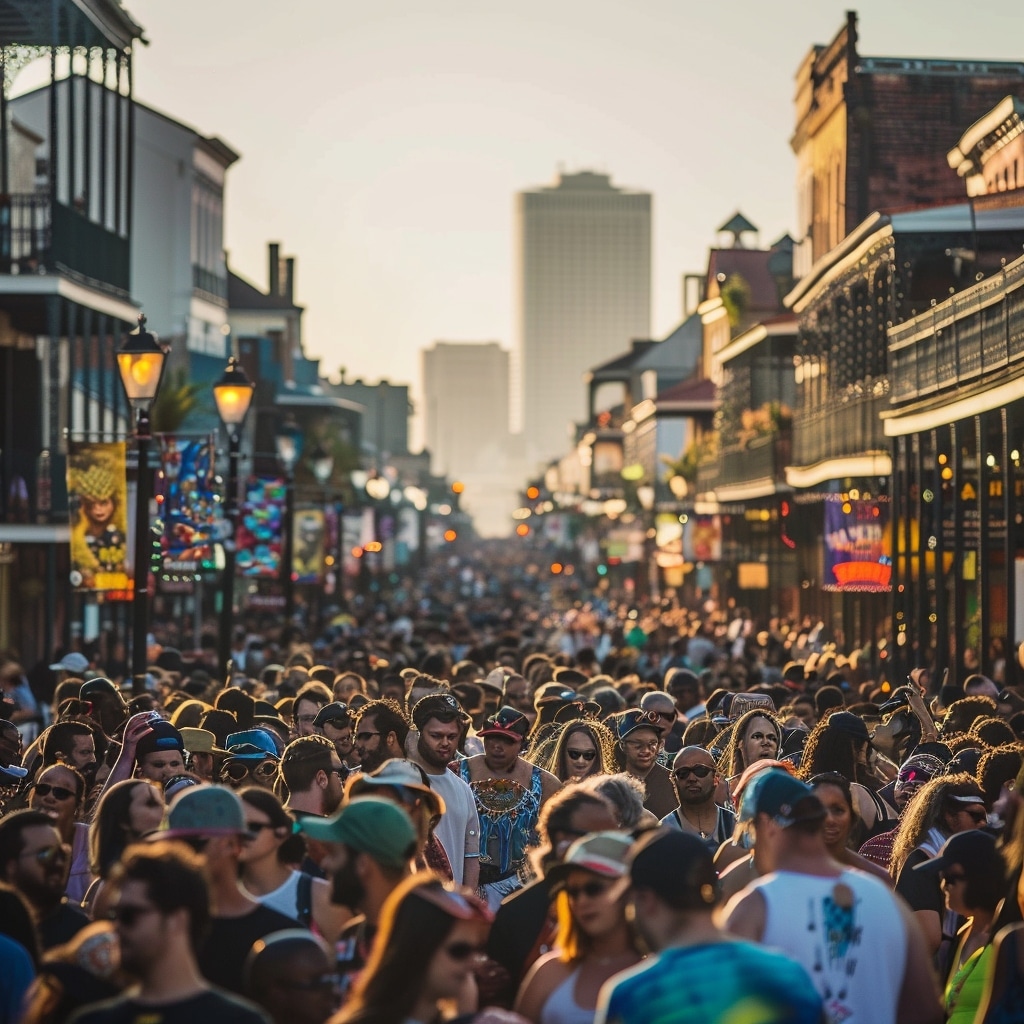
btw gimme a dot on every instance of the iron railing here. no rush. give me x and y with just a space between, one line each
841 430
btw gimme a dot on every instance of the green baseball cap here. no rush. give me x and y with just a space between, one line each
370 825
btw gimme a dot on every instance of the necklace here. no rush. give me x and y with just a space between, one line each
697 825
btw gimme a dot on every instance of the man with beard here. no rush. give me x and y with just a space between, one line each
440 721
212 821
370 845
639 740
35 861
71 743
161 913
334 721
695 778
509 793
380 733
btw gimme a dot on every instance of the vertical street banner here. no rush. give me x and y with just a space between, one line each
97 497
308 537
260 529
188 503
858 552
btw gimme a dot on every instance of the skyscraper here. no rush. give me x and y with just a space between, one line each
584 265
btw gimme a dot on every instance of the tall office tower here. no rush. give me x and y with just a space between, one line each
584 265
465 425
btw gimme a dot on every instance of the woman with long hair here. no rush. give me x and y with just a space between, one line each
756 735
269 848
941 808
594 939
835 793
584 748
430 938
59 791
127 812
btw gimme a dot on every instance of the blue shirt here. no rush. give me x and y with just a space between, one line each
717 983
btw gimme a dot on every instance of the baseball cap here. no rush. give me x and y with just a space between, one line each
785 799
437 705
161 736
847 723
336 709
370 825
601 853
676 866
629 721
72 662
252 745
397 773
99 687
204 811
506 722
973 850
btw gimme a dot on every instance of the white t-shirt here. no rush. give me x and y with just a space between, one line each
459 827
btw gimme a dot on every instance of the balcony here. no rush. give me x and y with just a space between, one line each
976 335
842 430
38 237
744 465
211 285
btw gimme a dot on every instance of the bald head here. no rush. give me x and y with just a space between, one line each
689 756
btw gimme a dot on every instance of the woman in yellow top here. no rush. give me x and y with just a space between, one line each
973 877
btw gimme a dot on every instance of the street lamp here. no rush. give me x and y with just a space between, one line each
646 494
140 362
288 443
233 395
323 465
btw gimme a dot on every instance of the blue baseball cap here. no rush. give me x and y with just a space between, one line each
252 745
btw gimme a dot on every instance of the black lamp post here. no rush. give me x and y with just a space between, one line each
140 362
288 442
233 395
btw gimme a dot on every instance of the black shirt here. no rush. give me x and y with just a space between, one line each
61 926
210 1007
227 945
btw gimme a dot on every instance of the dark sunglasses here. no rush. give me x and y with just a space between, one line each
590 889
128 916
582 755
339 723
461 951
254 828
702 771
45 789
51 855
238 770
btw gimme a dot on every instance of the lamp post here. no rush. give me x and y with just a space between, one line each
323 466
288 442
140 362
233 395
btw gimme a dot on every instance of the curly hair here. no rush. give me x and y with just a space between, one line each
992 731
999 766
388 717
732 761
604 743
830 750
924 812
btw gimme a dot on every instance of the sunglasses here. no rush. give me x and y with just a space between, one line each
128 916
590 889
49 855
338 723
362 737
978 817
462 951
254 828
702 771
582 755
238 770
59 792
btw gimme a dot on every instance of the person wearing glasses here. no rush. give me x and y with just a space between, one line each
35 861
639 740
430 939
594 940
334 721
584 749
269 849
695 779
939 809
59 792
380 733
972 873
161 911
291 976
308 702
252 760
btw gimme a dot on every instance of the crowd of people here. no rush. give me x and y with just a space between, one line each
421 821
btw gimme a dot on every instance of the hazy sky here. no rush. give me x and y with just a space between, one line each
382 143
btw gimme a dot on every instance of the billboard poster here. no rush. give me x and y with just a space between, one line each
858 555
187 500
308 537
98 499
259 541
702 539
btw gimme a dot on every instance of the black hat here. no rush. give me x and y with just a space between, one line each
336 709
973 850
98 688
847 723
169 659
677 867
442 706
161 736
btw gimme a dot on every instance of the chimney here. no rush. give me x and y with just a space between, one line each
273 249
289 279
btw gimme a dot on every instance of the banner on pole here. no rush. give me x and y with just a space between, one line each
97 498
260 529
188 503
858 553
308 537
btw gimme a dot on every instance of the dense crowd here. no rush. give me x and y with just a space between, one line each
496 815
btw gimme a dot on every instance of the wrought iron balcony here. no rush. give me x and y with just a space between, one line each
739 464
37 237
842 429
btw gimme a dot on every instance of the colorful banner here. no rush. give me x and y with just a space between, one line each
187 501
97 498
858 555
308 538
260 528
702 539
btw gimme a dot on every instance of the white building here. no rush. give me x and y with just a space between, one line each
584 293
465 390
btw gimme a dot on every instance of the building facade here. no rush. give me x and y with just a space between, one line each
584 293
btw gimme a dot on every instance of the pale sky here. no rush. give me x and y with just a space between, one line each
382 143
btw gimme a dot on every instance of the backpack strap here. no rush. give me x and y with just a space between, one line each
304 899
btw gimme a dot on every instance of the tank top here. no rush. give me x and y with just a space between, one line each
561 1006
849 935
508 818
284 899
